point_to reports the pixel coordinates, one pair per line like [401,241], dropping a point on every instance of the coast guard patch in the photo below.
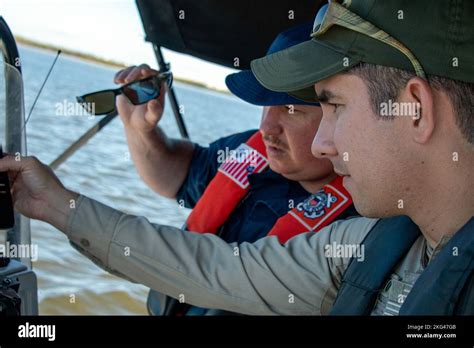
[319,207]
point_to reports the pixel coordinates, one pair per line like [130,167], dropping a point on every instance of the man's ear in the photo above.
[419,94]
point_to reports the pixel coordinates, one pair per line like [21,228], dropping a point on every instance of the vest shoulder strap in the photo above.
[228,186]
[439,288]
[388,240]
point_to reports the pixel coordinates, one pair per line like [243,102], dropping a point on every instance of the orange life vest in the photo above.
[230,185]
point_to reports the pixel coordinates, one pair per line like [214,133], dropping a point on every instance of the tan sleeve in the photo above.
[260,278]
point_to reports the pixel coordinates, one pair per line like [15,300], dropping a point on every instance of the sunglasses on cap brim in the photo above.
[334,13]
[137,92]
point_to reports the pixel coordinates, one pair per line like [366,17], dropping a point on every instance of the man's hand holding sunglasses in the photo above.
[139,118]
[161,162]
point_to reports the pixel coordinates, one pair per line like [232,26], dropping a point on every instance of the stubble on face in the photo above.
[368,151]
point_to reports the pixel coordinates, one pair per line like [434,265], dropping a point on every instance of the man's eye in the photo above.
[335,106]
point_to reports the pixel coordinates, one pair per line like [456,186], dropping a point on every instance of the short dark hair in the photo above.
[384,83]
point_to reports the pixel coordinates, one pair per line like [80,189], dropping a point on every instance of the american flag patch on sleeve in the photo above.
[242,162]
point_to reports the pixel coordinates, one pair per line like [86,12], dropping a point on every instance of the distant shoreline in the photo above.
[94,59]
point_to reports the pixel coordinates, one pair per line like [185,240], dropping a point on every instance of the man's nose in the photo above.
[323,142]
[270,124]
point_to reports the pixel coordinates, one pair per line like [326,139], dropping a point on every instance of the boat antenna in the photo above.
[42,86]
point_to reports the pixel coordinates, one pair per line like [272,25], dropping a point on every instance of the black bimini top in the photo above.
[221,30]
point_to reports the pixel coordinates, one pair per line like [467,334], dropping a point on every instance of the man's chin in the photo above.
[370,210]
[276,165]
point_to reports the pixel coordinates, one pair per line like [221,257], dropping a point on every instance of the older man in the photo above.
[420,164]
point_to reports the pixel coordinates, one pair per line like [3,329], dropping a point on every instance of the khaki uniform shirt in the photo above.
[262,278]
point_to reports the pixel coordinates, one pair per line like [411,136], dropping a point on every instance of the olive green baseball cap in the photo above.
[438,34]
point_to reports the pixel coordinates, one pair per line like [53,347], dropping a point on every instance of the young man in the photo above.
[420,165]
[192,174]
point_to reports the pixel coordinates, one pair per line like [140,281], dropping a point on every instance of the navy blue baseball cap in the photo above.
[245,86]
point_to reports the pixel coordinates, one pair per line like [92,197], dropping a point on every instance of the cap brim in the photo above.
[245,86]
[296,69]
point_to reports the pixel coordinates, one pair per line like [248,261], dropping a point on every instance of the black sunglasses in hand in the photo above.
[138,92]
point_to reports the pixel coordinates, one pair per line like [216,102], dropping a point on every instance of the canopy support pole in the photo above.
[82,140]
[103,122]
[165,67]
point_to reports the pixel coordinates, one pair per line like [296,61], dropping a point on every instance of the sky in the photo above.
[109,29]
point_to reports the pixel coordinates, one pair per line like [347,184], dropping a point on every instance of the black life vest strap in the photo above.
[385,244]
[438,289]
